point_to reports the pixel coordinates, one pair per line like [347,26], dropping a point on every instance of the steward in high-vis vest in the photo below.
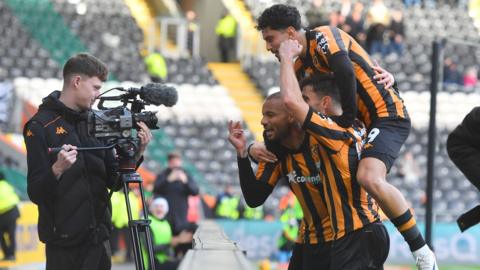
[227,207]
[162,239]
[8,218]
[253,213]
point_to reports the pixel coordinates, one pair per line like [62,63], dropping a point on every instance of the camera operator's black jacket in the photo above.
[76,208]
[463,146]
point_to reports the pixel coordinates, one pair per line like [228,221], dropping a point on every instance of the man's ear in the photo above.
[75,80]
[326,102]
[292,33]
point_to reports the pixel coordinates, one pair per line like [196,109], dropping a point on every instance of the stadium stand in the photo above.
[20,54]
[108,31]
[412,69]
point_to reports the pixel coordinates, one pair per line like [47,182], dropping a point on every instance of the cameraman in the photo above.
[71,187]
[463,146]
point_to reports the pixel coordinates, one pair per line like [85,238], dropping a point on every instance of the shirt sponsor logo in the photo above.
[296,179]
[322,42]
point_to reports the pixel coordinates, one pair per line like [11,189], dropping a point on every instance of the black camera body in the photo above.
[119,122]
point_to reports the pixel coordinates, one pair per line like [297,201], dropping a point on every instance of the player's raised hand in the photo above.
[237,137]
[383,77]
[289,49]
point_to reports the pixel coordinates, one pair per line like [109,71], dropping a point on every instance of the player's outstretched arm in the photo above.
[289,87]
[254,189]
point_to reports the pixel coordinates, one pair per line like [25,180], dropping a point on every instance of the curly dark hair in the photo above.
[279,17]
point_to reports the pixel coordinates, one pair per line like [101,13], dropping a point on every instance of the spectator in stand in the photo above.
[192,27]
[355,24]
[336,19]
[397,33]
[378,18]
[471,77]
[156,67]
[451,74]
[226,31]
[316,14]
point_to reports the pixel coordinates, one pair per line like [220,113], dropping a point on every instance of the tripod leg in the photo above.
[138,226]
[148,235]
[134,233]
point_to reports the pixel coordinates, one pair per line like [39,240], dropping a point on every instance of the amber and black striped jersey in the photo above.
[319,173]
[373,100]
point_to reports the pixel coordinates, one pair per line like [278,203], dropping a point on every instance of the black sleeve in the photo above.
[255,192]
[463,146]
[345,79]
[160,182]
[192,187]
[41,182]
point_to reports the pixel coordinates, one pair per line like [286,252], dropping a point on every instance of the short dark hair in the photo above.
[173,155]
[323,85]
[85,64]
[279,17]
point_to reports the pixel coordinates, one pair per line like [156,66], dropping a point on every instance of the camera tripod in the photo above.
[126,151]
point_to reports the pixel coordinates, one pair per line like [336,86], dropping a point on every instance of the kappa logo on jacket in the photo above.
[61,131]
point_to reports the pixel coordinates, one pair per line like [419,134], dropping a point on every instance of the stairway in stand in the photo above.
[243,91]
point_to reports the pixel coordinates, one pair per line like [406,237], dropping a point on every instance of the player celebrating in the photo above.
[330,50]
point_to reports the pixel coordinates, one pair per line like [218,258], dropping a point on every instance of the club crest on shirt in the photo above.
[322,42]
[29,133]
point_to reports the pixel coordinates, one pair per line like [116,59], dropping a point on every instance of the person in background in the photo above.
[355,25]
[470,78]
[163,240]
[252,213]
[192,27]
[227,204]
[175,185]
[9,214]
[396,33]
[226,32]
[451,74]
[156,67]
[287,239]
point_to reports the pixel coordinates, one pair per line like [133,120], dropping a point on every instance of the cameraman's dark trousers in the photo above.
[83,257]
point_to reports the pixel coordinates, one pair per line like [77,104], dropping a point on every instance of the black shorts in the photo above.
[366,248]
[310,256]
[385,138]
